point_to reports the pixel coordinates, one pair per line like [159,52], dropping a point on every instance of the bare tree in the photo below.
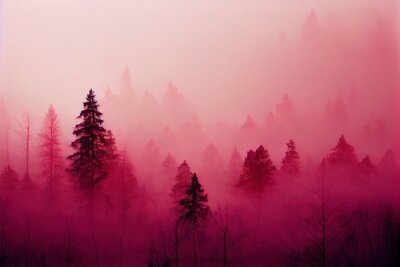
[231,230]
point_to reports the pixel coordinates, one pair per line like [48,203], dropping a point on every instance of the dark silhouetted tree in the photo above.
[50,148]
[182,181]
[88,160]
[257,172]
[194,208]
[291,162]
[342,155]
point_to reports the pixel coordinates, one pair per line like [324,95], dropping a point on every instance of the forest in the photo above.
[92,210]
[276,144]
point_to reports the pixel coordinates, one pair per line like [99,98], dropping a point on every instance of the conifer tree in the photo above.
[50,147]
[342,155]
[91,146]
[257,172]
[169,164]
[291,163]
[193,208]
[182,181]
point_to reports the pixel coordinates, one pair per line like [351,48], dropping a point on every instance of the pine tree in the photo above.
[169,165]
[182,181]
[193,205]
[291,163]
[342,155]
[257,172]
[90,156]
[193,208]
[364,170]
[50,148]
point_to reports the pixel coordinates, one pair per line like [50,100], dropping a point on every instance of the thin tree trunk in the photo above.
[225,250]
[177,244]
[123,212]
[194,247]
[27,143]
[92,218]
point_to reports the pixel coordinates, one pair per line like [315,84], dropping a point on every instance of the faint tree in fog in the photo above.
[291,162]
[342,155]
[364,171]
[169,165]
[235,165]
[5,135]
[91,146]
[9,180]
[182,181]
[24,133]
[193,208]
[257,173]
[50,148]
[212,160]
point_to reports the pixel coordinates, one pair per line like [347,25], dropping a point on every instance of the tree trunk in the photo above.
[177,244]
[194,247]
[225,251]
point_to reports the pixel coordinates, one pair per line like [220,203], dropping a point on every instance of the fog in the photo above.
[207,83]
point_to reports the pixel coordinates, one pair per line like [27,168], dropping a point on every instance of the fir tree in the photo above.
[182,181]
[169,166]
[364,170]
[342,155]
[193,208]
[88,160]
[193,205]
[291,163]
[50,147]
[257,172]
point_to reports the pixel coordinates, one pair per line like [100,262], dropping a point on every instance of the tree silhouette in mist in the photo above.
[193,208]
[50,147]
[91,146]
[257,172]
[291,162]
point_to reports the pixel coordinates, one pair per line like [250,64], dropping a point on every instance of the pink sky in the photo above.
[53,51]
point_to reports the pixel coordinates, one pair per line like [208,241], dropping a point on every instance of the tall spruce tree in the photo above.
[193,208]
[91,146]
[291,162]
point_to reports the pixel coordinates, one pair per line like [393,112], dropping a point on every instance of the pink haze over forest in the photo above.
[212,88]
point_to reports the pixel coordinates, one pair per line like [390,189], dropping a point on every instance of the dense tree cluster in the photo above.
[327,215]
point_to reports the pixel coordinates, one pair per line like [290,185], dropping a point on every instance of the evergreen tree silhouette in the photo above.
[257,172]
[88,161]
[291,163]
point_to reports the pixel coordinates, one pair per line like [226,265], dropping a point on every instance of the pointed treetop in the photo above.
[249,124]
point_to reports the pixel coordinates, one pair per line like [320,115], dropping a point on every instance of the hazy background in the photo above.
[229,59]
